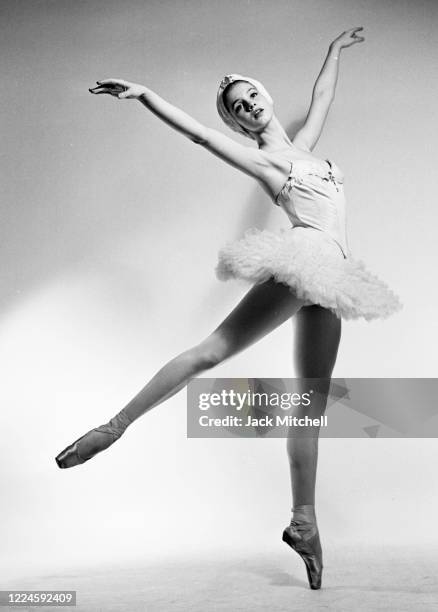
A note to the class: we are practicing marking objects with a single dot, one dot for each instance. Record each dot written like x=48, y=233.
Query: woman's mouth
x=256, y=114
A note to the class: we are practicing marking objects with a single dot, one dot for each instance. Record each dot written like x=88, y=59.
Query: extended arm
x=246, y=159
x=324, y=91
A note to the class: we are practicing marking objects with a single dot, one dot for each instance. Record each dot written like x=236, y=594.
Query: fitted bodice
x=313, y=196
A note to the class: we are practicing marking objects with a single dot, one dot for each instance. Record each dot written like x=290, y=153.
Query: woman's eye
x=237, y=109
x=254, y=93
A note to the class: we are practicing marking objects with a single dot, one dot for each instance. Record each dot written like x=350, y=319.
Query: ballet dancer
x=305, y=272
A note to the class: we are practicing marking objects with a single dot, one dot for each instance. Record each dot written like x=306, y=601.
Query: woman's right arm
x=247, y=159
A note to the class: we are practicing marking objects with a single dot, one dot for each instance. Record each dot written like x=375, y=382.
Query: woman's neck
x=273, y=137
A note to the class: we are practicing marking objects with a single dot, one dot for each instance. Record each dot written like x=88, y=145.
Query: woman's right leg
x=264, y=307
x=261, y=310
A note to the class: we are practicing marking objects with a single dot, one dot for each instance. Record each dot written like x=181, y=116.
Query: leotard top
x=313, y=196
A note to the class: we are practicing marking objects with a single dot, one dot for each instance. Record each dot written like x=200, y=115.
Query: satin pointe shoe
x=303, y=537
x=93, y=442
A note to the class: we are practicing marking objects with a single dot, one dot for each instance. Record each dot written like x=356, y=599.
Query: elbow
x=198, y=140
x=200, y=137
x=324, y=93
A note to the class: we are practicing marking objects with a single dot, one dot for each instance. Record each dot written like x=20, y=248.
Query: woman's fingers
x=102, y=90
x=111, y=86
x=113, y=90
x=349, y=37
x=120, y=82
x=118, y=88
x=98, y=88
x=353, y=31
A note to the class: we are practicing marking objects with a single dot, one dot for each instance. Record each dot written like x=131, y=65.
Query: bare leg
x=318, y=333
x=264, y=307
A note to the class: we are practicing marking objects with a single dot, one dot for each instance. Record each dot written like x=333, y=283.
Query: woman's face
x=248, y=106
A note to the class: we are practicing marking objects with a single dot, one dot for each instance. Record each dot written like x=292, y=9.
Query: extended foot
x=303, y=537
x=93, y=442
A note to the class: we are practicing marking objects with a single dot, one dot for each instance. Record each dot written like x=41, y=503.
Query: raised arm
x=324, y=91
x=246, y=159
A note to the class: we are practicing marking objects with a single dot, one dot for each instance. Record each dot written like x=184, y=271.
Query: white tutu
x=312, y=264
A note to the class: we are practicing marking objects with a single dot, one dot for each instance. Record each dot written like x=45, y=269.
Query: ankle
x=120, y=422
x=304, y=512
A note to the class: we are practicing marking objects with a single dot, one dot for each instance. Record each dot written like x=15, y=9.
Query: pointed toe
x=305, y=541
x=70, y=456
x=93, y=442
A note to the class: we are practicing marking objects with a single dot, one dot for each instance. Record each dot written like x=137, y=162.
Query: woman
x=305, y=271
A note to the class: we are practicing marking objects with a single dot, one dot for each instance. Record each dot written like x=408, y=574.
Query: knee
x=211, y=351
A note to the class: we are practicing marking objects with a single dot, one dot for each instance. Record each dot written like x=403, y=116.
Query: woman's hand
x=348, y=38
x=119, y=88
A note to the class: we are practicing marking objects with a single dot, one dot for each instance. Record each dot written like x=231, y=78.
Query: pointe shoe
x=93, y=442
x=304, y=539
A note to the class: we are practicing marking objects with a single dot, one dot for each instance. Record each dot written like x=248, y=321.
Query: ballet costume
x=312, y=257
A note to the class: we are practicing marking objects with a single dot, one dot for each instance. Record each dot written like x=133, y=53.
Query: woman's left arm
x=324, y=91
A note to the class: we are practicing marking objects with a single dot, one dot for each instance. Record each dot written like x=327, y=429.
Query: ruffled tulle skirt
x=311, y=263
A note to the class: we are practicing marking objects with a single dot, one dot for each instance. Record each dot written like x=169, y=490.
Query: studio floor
x=365, y=579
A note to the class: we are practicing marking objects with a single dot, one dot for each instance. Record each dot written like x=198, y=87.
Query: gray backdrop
x=110, y=227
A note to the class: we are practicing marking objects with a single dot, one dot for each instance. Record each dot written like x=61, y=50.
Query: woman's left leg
x=317, y=337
